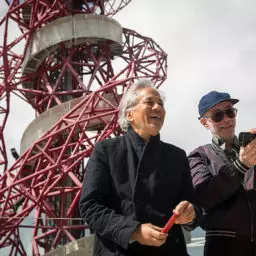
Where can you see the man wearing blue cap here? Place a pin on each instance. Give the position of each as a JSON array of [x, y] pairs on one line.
[[224, 177]]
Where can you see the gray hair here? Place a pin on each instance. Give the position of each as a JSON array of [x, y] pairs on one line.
[[129, 100]]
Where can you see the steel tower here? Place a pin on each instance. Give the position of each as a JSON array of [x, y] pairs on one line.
[[72, 63]]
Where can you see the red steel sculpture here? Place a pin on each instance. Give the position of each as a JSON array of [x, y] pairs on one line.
[[72, 63]]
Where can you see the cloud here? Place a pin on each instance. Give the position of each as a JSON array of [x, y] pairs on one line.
[[210, 46]]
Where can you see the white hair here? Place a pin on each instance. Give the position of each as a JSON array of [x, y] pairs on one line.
[[129, 100]]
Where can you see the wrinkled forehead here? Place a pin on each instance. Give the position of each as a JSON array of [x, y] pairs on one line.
[[148, 93], [220, 106]]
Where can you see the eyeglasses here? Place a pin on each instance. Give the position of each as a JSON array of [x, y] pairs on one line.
[[219, 115]]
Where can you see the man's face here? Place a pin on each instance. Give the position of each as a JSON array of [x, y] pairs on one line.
[[224, 129], [147, 116]]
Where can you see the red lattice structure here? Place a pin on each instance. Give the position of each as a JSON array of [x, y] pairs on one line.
[[72, 63]]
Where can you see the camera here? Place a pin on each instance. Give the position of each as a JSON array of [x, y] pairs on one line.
[[245, 138]]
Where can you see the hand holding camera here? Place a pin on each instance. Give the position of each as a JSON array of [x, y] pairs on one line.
[[247, 141]]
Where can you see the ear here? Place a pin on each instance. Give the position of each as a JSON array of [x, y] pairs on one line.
[[129, 116], [204, 122]]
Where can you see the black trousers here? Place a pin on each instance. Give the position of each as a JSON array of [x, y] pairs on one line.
[[226, 246]]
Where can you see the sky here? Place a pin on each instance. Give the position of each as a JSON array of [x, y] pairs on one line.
[[211, 45]]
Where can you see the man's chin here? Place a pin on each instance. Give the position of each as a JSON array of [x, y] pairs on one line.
[[155, 131]]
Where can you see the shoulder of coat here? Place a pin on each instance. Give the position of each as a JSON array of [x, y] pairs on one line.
[[173, 148]]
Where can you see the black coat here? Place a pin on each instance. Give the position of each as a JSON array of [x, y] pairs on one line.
[[120, 192]]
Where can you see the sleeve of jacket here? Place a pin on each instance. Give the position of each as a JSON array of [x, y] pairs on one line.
[[211, 190], [95, 202]]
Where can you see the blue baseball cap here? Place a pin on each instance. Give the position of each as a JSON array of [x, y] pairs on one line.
[[211, 99]]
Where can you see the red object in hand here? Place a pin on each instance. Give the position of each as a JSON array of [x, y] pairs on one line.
[[170, 223]]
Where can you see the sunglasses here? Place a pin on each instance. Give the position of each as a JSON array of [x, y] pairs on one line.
[[219, 115]]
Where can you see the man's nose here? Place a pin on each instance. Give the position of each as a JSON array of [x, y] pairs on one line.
[[157, 106]]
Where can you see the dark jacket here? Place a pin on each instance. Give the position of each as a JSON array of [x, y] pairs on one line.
[[120, 192], [226, 192]]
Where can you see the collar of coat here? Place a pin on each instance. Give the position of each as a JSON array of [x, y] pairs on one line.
[[220, 143], [141, 146], [231, 152]]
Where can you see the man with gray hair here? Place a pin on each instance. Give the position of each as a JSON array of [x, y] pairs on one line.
[[134, 183]]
